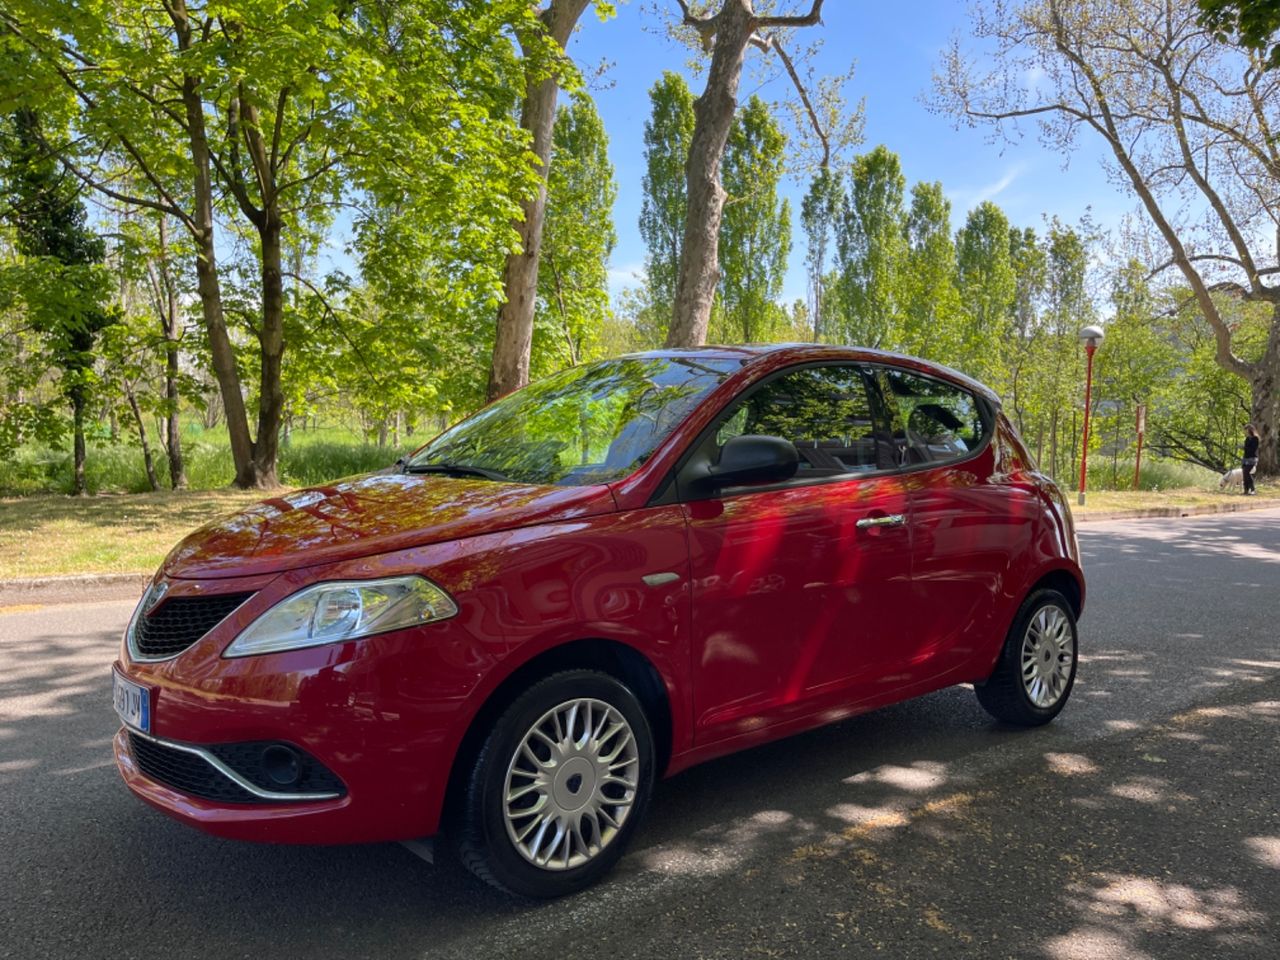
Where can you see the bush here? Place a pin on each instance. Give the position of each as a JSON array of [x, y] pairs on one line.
[[1156, 475], [118, 467]]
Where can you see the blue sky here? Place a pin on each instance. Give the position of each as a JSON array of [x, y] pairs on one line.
[[895, 47]]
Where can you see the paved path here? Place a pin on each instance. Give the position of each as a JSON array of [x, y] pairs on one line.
[[1143, 823]]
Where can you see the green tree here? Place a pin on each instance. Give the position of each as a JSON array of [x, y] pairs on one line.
[[1187, 122], [579, 237], [667, 135], [513, 339], [60, 277], [930, 302], [1027, 258], [268, 114], [818, 214], [755, 233], [871, 249], [986, 283]]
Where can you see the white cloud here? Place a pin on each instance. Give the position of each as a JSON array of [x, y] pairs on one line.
[[625, 275], [967, 199]]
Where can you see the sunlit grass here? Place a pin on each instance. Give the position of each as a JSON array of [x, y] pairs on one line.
[[44, 536], [1103, 502]]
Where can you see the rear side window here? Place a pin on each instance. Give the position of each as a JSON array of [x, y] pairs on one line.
[[826, 412], [933, 421]]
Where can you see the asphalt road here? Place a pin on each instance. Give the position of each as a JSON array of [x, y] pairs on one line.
[[1143, 823]]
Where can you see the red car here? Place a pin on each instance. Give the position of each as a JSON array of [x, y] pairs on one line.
[[626, 569]]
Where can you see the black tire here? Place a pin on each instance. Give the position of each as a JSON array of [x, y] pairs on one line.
[[482, 841], [1005, 695]]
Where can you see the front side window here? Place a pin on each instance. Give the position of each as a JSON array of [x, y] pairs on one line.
[[933, 421], [826, 412], [591, 424]]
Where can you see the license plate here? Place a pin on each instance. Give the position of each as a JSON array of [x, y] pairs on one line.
[[132, 702]]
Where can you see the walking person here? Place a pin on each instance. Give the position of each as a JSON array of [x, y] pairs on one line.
[[1250, 460]]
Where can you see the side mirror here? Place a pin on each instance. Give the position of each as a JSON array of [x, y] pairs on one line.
[[752, 459]]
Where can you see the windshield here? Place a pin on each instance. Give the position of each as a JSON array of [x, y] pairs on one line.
[[591, 424]]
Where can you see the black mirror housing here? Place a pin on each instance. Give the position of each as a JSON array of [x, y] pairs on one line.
[[752, 458]]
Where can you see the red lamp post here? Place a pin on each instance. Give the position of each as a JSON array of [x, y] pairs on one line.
[[1090, 337]]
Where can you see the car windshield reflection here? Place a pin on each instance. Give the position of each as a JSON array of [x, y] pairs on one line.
[[591, 424]]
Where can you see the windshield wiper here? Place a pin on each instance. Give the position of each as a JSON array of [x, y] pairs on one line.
[[456, 470]]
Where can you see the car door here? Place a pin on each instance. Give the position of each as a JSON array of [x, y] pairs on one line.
[[969, 522], [799, 587]]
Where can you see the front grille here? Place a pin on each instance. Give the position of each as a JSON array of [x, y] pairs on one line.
[[186, 772], [178, 622]]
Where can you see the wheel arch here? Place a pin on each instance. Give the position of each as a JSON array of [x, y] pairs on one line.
[[613, 657], [1066, 582]]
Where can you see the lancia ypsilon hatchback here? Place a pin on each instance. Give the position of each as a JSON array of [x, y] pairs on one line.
[[626, 569]]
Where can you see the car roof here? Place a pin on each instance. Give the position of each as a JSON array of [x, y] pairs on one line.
[[783, 354]]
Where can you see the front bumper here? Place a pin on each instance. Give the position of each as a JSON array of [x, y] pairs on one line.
[[307, 821], [383, 714]]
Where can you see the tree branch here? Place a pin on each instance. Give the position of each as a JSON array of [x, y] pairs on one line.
[[814, 16]]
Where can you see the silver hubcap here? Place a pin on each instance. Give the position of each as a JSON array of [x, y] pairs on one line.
[[571, 784], [1047, 656]]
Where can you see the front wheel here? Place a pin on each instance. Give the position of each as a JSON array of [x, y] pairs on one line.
[[1037, 666], [558, 787]]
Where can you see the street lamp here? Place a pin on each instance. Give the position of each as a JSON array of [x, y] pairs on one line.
[[1090, 337]]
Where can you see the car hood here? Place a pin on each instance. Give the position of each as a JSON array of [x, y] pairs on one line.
[[363, 516]]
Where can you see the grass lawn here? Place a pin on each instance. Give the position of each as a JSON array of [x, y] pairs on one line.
[[1102, 502], [43, 536]]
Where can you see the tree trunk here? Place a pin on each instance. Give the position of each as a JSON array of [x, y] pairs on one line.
[[220, 349], [1053, 446], [78, 400], [1264, 408], [514, 337], [713, 113], [271, 337], [142, 438], [172, 336]]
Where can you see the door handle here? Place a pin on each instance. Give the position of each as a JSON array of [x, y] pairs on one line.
[[885, 520]]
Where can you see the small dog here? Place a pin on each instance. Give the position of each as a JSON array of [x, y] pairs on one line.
[[1232, 478]]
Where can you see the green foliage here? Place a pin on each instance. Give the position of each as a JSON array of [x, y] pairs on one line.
[[1107, 473], [1251, 23], [986, 283], [755, 232], [577, 241], [929, 299], [667, 135], [117, 468], [818, 212], [871, 249], [400, 114], [56, 279]]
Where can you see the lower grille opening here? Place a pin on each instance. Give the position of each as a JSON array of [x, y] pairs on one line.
[[268, 765]]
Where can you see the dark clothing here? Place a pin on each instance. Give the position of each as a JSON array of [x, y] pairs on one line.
[[1250, 461]]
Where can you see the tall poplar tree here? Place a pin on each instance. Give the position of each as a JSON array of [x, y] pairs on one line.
[[871, 249], [578, 239], [667, 135], [755, 234], [985, 279]]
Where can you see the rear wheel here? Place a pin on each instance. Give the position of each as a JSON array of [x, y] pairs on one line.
[[558, 787], [1037, 666]]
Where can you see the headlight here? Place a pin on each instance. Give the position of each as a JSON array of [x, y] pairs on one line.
[[333, 612]]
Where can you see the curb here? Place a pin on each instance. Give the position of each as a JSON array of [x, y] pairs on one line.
[[79, 588], [1155, 513]]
